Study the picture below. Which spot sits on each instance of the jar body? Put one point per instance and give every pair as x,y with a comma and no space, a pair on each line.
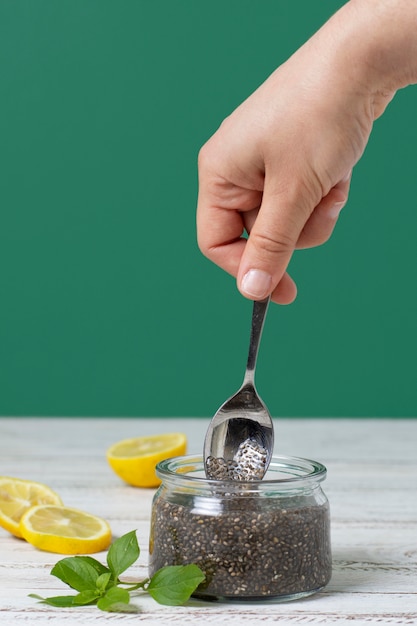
258,540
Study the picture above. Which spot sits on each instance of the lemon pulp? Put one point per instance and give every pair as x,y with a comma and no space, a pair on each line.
17,496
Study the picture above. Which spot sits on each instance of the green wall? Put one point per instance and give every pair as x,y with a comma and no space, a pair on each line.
106,305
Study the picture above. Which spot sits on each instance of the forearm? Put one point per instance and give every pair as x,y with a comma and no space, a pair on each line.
377,39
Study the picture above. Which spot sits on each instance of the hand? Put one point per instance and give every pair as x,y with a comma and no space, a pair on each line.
279,166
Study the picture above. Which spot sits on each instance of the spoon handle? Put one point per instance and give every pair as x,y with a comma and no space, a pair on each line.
260,308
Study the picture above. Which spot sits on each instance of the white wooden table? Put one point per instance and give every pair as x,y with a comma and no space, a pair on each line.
371,485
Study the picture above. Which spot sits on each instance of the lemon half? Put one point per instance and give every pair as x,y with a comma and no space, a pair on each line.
17,496
134,460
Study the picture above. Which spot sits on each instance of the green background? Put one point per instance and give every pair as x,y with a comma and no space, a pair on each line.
107,307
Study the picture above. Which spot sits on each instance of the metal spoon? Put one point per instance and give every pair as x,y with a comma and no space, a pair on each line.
240,439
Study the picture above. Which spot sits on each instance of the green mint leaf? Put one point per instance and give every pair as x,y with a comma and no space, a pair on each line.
174,584
59,601
115,594
78,572
123,553
89,596
117,600
118,607
99,567
102,582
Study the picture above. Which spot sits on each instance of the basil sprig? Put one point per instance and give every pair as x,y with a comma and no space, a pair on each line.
101,585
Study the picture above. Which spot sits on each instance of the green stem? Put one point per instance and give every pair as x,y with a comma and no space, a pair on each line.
140,585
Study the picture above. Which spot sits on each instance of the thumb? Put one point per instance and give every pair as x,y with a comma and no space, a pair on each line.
272,240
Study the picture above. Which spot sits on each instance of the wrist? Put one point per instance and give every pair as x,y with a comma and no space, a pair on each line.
381,43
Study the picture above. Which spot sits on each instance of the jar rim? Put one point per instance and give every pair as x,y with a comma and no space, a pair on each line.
301,470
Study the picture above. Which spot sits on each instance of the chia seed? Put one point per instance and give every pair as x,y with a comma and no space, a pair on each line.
249,463
249,547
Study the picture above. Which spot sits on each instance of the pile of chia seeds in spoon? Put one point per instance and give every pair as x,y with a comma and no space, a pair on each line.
248,463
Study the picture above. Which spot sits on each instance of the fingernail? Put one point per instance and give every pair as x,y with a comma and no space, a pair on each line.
256,283
334,210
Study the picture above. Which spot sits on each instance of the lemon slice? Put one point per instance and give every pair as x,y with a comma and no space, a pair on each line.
17,496
64,530
134,460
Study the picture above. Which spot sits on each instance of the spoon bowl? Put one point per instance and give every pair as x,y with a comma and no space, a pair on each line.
240,438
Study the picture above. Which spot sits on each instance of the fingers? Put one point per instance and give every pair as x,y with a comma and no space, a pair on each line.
278,229
222,209
273,238
220,234
286,291
322,221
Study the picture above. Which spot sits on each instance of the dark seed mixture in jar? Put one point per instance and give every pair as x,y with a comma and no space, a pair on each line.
247,547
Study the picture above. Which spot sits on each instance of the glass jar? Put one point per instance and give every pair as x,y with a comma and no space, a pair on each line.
253,540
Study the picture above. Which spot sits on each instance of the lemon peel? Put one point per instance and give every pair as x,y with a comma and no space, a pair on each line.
134,460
